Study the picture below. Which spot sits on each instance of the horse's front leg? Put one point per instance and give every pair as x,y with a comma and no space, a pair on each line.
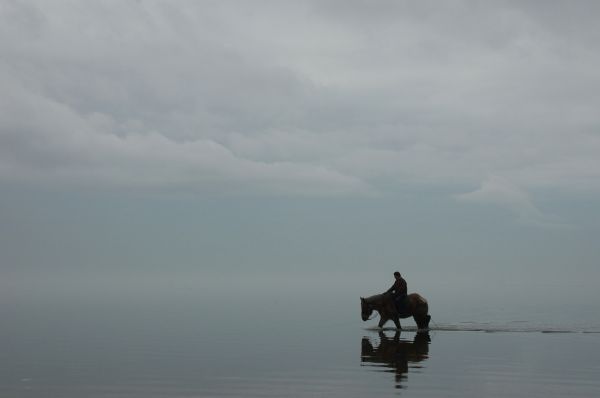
397,322
383,320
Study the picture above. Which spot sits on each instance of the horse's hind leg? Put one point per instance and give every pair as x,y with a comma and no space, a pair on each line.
422,321
418,321
397,322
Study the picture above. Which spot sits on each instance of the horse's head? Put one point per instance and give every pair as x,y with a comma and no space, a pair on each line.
365,309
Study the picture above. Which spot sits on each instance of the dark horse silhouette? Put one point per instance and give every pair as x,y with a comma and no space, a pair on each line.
416,307
394,354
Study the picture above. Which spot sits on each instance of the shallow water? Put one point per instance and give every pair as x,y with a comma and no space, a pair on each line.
186,346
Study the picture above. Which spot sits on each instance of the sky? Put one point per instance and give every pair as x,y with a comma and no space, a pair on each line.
455,141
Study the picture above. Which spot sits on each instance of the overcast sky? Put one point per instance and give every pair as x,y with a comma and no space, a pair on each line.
402,117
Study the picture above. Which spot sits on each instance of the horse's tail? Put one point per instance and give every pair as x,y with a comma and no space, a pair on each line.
421,311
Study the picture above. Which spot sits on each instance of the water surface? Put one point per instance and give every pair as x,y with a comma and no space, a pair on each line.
195,345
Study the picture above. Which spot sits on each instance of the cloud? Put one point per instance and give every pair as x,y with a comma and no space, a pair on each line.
501,192
45,141
314,98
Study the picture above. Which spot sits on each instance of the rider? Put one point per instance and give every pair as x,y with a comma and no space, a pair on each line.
398,289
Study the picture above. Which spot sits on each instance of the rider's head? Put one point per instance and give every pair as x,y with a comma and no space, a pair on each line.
397,275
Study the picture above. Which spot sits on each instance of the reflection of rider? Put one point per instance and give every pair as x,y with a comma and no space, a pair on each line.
398,289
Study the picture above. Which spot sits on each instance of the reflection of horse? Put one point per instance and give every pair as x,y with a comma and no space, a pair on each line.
394,354
416,307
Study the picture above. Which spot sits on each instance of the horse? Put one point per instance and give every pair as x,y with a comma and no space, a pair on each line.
417,307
